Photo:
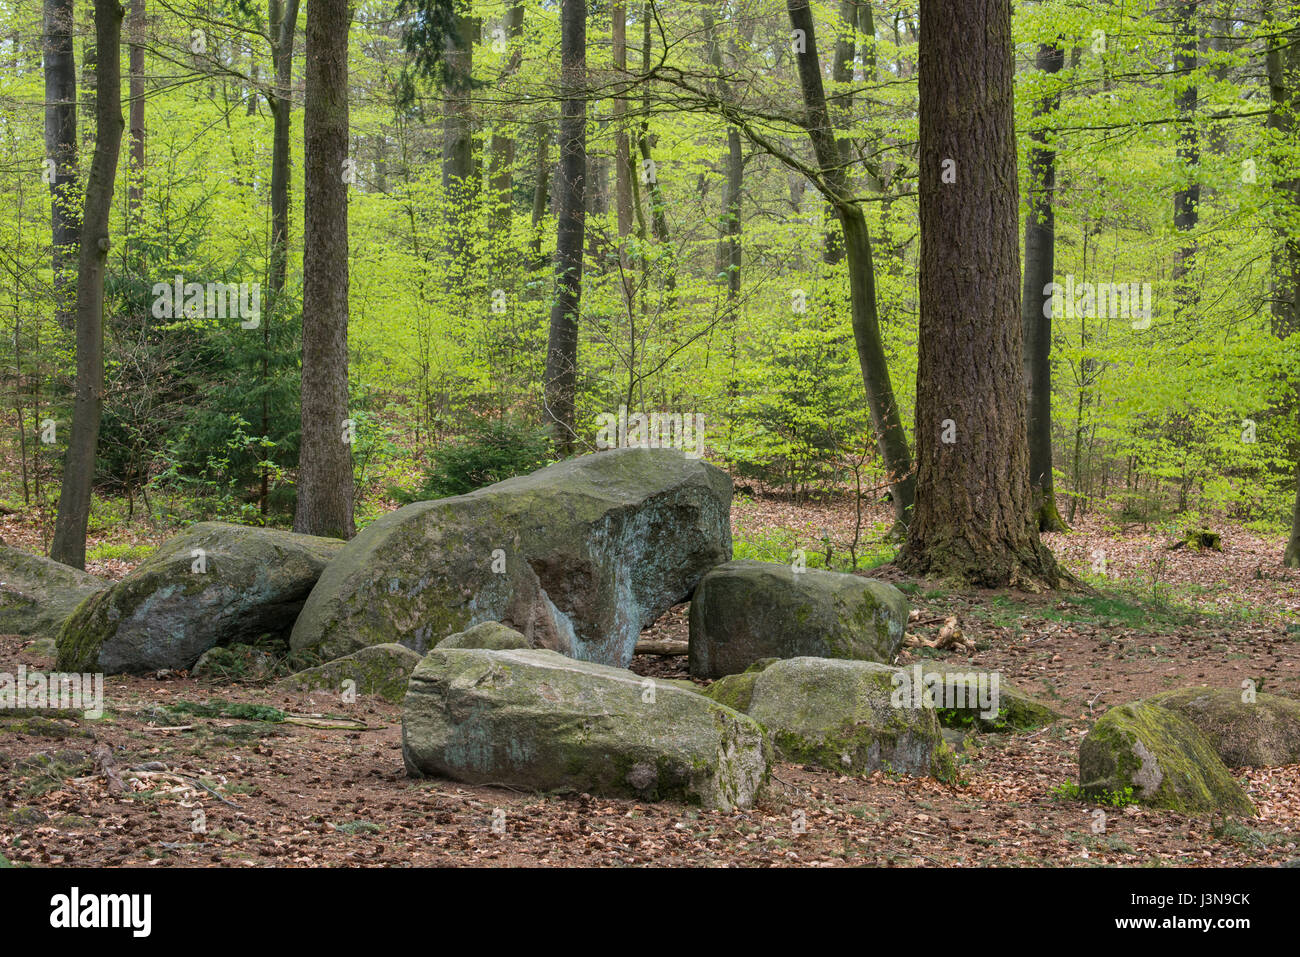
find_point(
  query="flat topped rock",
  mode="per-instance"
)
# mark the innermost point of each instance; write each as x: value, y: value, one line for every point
x: 578, y: 558
x: 541, y: 721
x: 744, y: 611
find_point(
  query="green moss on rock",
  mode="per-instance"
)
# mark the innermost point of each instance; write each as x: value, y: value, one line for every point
x: 382, y: 670
x: 491, y: 635
x: 1263, y: 731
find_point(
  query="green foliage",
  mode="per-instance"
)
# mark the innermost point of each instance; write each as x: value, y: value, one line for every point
x: 1072, y: 791
x: 491, y: 451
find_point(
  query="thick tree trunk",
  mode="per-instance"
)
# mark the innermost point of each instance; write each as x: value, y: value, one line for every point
x: 562, y: 345
x: 325, y: 484
x: 1187, y: 199
x: 1035, y: 309
x: 69, y: 543
x: 61, y: 147
x: 974, y: 514
x: 1284, y: 104
x: 891, y: 440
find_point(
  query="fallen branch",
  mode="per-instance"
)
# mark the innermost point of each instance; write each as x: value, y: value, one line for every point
x: 662, y: 646
x: 105, y: 765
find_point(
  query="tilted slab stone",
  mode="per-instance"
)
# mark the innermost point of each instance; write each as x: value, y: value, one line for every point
x: 216, y: 584
x: 845, y: 715
x: 37, y: 595
x: 578, y: 557
x: 746, y: 610
x: 1159, y: 758
x: 490, y: 635
x: 538, y: 720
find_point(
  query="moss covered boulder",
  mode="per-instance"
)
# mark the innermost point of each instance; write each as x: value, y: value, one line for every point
x: 541, y: 721
x: 216, y: 584
x: 1263, y: 732
x: 37, y: 595
x: 977, y: 699
x: 578, y: 557
x: 1159, y: 758
x: 491, y: 635
x: 842, y: 715
x: 735, y: 691
x: 746, y: 610
x: 382, y: 670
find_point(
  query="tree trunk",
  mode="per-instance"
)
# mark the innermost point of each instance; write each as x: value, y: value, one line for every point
x: 729, y: 250
x: 1187, y: 199
x: 135, y: 191
x: 501, y: 166
x: 541, y: 191
x: 1284, y: 102
x: 974, y: 514
x: 842, y: 75
x: 325, y: 484
x: 61, y: 147
x: 459, y: 182
x: 562, y: 345
x: 69, y: 543
x: 1035, y: 309
x: 891, y: 440
x: 283, y: 16
x: 622, y: 144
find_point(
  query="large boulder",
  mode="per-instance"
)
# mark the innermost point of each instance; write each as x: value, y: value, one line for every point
x: 382, y: 670
x: 216, y: 584
x: 845, y: 715
x: 37, y: 595
x: 538, y: 720
x: 1263, y: 732
x: 746, y: 610
x: 1156, y: 756
x: 578, y: 557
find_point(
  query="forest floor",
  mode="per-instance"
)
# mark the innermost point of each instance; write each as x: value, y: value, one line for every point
x: 231, y: 792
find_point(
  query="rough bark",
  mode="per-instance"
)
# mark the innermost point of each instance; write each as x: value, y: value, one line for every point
x: 1036, y: 313
x: 974, y: 516
x: 562, y: 343
x: 325, y: 484
x: 69, y: 542
x: 61, y: 147
x: 459, y: 181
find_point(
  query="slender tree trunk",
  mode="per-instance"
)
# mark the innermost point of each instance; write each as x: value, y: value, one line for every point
x: 623, y: 172
x: 1035, y: 308
x: 69, y: 544
x: 61, y: 148
x: 501, y: 166
x: 325, y: 484
x: 1187, y: 199
x: 974, y: 515
x: 136, y: 30
x: 891, y: 440
x: 729, y: 249
x: 459, y: 181
x: 562, y: 345
x: 649, y: 171
x: 842, y: 75
x: 541, y: 192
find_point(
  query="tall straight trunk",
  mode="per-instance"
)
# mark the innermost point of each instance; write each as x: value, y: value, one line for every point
x: 135, y: 114
x: 974, y: 515
x: 501, y: 165
x: 541, y: 191
x: 1035, y: 306
x: 1283, y: 69
x: 622, y: 145
x: 729, y: 250
x: 658, y: 209
x: 69, y: 542
x: 842, y: 75
x: 61, y: 147
x: 1188, y: 198
x: 283, y: 23
x: 562, y: 345
x: 891, y: 440
x: 458, y: 175
x: 325, y: 484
